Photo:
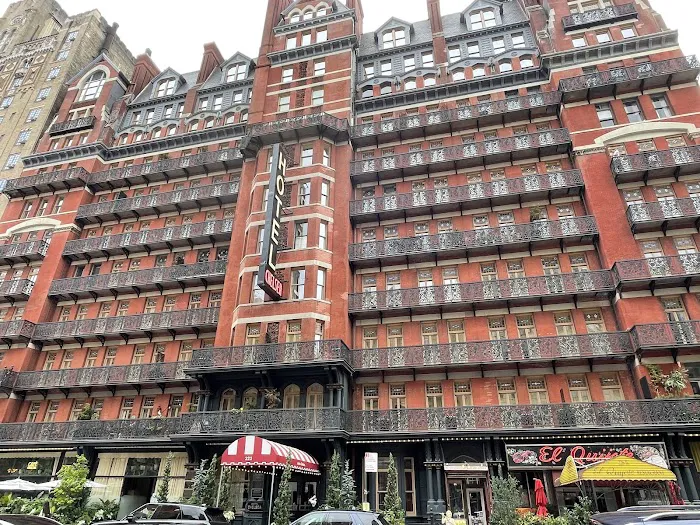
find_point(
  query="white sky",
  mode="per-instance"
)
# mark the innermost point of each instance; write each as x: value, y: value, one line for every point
x: 176, y: 35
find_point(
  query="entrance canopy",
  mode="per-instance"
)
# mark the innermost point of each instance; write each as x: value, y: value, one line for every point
x: 620, y: 468
x: 256, y: 453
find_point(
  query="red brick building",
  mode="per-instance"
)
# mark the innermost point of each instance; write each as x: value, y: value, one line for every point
x: 488, y: 250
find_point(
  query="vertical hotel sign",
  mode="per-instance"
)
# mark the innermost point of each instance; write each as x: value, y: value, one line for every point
x: 267, y: 279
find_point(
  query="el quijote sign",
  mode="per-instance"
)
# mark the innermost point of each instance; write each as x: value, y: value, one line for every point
x: 553, y: 456
x: 267, y: 280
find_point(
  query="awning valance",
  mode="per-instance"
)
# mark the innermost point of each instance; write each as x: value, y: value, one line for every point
x: 256, y: 453
x: 620, y: 468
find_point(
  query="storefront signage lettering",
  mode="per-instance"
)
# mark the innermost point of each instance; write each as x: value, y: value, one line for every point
x: 267, y: 279
x: 553, y: 456
x: 371, y: 461
x: 466, y: 467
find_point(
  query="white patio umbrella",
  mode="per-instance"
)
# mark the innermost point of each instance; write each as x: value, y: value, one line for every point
x: 19, y: 485
x: 50, y: 485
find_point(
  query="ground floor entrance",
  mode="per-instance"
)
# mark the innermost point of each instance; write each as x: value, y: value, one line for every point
x: 466, y: 500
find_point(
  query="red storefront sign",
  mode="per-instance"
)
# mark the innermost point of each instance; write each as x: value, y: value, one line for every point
x: 552, y: 456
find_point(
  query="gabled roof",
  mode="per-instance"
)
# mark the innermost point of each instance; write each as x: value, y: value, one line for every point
x: 185, y: 82
x: 102, y: 57
x: 392, y: 22
x: 476, y: 4
x: 217, y: 74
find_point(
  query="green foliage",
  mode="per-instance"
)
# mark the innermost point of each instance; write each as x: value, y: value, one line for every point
x: 581, y: 513
x: 393, y: 507
x: 87, y: 413
x: 533, y: 519
x: 164, y: 487
x: 348, y: 496
x: 281, y: 514
x: 334, y: 482
x: 210, y: 488
x: 226, y: 499
x: 104, y: 509
x: 198, y: 484
x: 668, y: 385
x: 69, y: 499
x: 506, y: 499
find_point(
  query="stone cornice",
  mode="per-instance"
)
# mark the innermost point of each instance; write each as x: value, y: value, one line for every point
x: 488, y: 31
x: 396, y: 51
x: 303, y: 24
x: 229, y: 85
x: 320, y: 48
x: 156, y: 101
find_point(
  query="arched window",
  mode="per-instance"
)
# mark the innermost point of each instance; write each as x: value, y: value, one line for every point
x: 228, y: 398
x: 250, y: 398
x: 479, y: 71
x: 385, y: 88
x: 292, y: 395
x: 138, y: 137
x: 157, y: 132
x: 504, y: 66
x: 482, y: 19
x: 367, y: 92
x: 458, y: 75
x: 526, y: 62
x: 166, y: 87
x: 314, y: 396
x: 244, y: 116
x: 93, y: 86
x: 294, y: 18
x: 410, y: 83
x: 429, y: 80
x: 230, y: 118
x: 321, y: 11
x: 172, y: 129
x: 194, y: 126
x: 209, y: 123
x: 308, y: 14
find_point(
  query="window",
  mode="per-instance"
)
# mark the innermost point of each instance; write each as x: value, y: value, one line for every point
x: 139, y: 352
x: 427, y: 59
x: 287, y: 75
x: 409, y: 63
x: 283, y: 104
x: 579, y: 41
x: 23, y: 137
x: 321, y: 35
x: 323, y: 235
x: 298, y: 282
x: 166, y: 87
x: 663, y: 110
x: 110, y: 356
x: 218, y: 100
x: 518, y: 40
x: 326, y: 162
x: 612, y: 390
x: 304, y: 193
x: 458, y: 75
x: 603, y: 37
x: 506, y: 392
x: 53, y: 73
x: 51, y: 411
x: 394, y: 335
x: 370, y: 395
x: 499, y: 45
x: 317, y: 97
x: 482, y: 19
x: 634, y: 112
x: 605, y: 114
x: 306, y: 38
x: 321, y: 284
x: 455, y: 53
x: 478, y: 71
x: 291, y: 42
x: 409, y: 84
x: 429, y: 333
x: 369, y: 71
x: 393, y: 38
x: 236, y: 72
x: 43, y: 205
x: 526, y: 61
x: 293, y: 331
x: 397, y: 397
x: 628, y: 32
x: 563, y: 323
x: 307, y: 155
x: 33, y: 411
x: 12, y: 161
x: 578, y: 389
x: 319, y: 68
x: 433, y: 394
x: 369, y: 337
x: 594, y: 321
x: 455, y: 331
x: 301, y: 231
x: 497, y: 328
x: 504, y: 66
x: 126, y: 408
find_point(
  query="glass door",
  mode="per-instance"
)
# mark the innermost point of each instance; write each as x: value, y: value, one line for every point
x: 455, y: 489
x: 477, y: 514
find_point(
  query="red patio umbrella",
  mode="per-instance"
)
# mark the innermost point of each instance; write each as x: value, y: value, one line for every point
x: 540, y: 498
x: 675, y: 491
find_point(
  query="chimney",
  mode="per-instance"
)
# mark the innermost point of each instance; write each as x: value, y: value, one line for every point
x: 211, y: 59
x: 439, y: 44
x: 272, y: 19
x: 144, y: 71
x: 435, y: 17
x: 359, y: 14
x: 109, y: 37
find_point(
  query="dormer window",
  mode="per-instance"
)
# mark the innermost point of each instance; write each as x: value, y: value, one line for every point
x: 393, y: 38
x: 93, y: 86
x: 482, y: 19
x: 236, y: 72
x: 296, y: 17
x: 321, y: 11
x: 166, y: 87
x: 308, y: 14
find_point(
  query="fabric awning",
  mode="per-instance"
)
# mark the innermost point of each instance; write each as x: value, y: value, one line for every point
x: 620, y: 468
x: 256, y: 453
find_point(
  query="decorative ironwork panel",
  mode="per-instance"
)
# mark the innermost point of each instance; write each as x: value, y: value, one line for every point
x: 297, y: 420
x: 663, y: 210
x: 667, y: 335
x: 302, y: 121
x: 651, y: 160
x: 598, y: 16
x: 46, y: 179
x: 72, y: 125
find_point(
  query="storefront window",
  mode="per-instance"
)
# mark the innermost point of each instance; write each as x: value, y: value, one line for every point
x: 26, y: 467
x: 142, y: 467
x: 410, y: 482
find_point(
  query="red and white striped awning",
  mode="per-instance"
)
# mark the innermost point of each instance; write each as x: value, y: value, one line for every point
x: 256, y: 453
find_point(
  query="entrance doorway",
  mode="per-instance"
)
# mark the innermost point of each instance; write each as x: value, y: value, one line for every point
x: 466, y: 500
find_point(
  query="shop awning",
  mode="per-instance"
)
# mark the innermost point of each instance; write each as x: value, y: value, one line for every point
x: 256, y: 453
x: 620, y: 468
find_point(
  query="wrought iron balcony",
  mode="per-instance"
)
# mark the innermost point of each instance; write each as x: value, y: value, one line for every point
x: 516, y: 237
x: 143, y: 374
x: 296, y: 421
x: 113, y: 284
x: 661, y: 215
x: 158, y: 203
x: 7, y: 380
x: 636, y: 414
x: 607, y: 15
x: 506, y: 292
x: 311, y: 353
x: 23, y: 252
x: 641, y: 77
x: 98, y: 431
x: 609, y: 345
x: 640, y: 167
x: 469, y: 155
x: 658, y: 272
x: 512, y: 109
x: 70, y: 126
x: 167, y: 169
x: 46, y: 182
x: 148, y: 240
x: 16, y: 290
x: 295, y: 129
x: 17, y: 331
x: 475, y: 195
x: 667, y: 335
x: 163, y: 323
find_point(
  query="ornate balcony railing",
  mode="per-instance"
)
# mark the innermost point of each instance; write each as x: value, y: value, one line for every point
x: 72, y: 125
x: 16, y: 289
x: 640, y: 71
x: 23, y: 251
x: 297, y: 420
x: 595, y: 282
x: 660, y: 163
x: 152, y: 278
x: 475, y: 239
x: 128, y: 324
x: 103, y: 375
x: 306, y: 352
x: 658, y: 268
x: 587, y: 346
x: 301, y: 121
x: 155, y: 171
x: 477, y: 192
x: 518, y: 418
x: 466, y: 113
x: 46, y: 182
x: 505, y: 148
x: 160, y: 238
x: 158, y: 203
x: 17, y: 330
x: 107, y: 431
x: 8, y: 377
x: 667, y: 335
x: 681, y: 211
x: 595, y: 17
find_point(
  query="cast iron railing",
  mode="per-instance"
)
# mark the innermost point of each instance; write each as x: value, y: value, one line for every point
x: 267, y: 354
x: 8, y: 377
x: 137, y: 278
x: 72, y: 125
x: 587, y: 346
x: 505, y: 289
x: 159, y: 199
x: 102, y: 375
x: 502, y: 235
x: 145, y: 237
x: 663, y: 210
x: 16, y: 287
x: 56, y: 179
x: 156, y: 429
x: 652, y: 160
x: 598, y: 16
x: 656, y: 267
x: 24, y: 249
x: 465, y: 151
x: 470, y: 192
x: 626, y: 74
x: 302, y: 121
x: 297, y: 420
x: 17, y: 329
x: 128, y: 324
x: 480, y: 110
x: 667, y: 335
x: 612, y: 414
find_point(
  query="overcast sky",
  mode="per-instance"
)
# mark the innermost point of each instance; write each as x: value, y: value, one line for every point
x: 176, y: 35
